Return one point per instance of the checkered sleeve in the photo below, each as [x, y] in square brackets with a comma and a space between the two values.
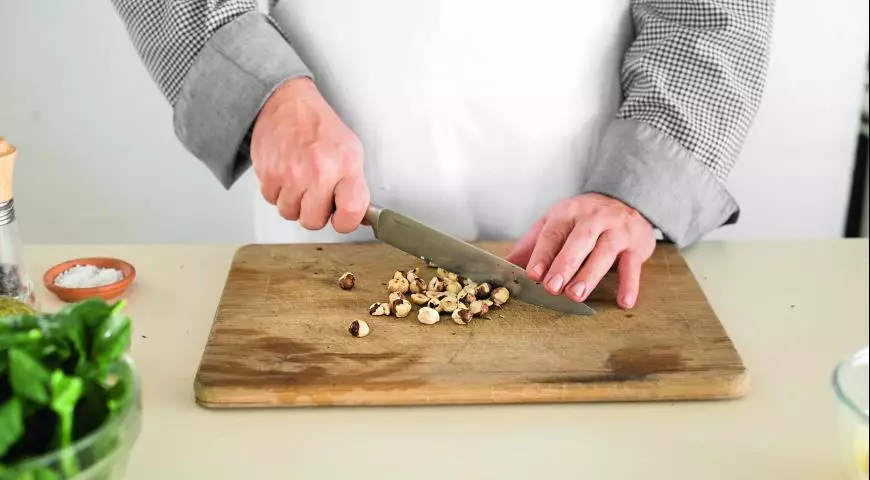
[692, 83]
[216, 62]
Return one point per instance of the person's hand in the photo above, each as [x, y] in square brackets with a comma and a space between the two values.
[572, 247]
[308, 160]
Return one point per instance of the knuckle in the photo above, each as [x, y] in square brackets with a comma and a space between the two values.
[551, 236]
[569, 261]
[609, 245]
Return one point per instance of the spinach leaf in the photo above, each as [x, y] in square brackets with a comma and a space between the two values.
[28, 377]
[62, 376]
[65, 393]
[111, 339]
[11, 424]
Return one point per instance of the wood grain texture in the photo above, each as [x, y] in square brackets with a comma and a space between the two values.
[280, 338]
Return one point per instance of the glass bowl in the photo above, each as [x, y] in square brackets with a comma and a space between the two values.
[850, 382]
[102, 455]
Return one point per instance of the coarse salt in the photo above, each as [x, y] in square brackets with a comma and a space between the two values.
[86, 276]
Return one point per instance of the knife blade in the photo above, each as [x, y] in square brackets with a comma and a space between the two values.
[462, 258]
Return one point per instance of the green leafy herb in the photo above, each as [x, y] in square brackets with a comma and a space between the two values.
[11, 424]
[62, 376]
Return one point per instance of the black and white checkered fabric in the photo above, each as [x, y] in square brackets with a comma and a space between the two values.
[695, 71]
[168, 34]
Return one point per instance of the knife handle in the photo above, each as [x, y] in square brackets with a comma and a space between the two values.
[372, 215]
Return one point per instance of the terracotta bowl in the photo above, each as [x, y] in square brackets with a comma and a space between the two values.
[106, 292]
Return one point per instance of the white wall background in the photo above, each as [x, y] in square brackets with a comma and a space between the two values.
[99, 162]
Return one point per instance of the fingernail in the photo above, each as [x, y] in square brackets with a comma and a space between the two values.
[578, 290]
[628, 300]
[556, 283]
[538, 270]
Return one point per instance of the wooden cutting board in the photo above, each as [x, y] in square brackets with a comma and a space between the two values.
[280, 338]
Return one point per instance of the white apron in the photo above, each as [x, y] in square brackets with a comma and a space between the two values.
[475, 115]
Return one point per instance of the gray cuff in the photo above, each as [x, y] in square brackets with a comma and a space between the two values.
[234, 74]
[662, 180]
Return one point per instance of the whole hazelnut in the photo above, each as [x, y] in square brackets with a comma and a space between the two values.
[419, 298]
[401, 307]
[500, 296]
[398, 275]
[378, 309]
[428, 316]
[358, 328]
[461, 316]
[411, 274]
[467, 299]
[398, 284]
[417, 285]
[453, 287]
[483, 290]
[346, 281]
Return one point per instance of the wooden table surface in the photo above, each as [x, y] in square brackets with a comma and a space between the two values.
[793, 309]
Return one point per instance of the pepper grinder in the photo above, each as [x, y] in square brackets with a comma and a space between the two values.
[14, 280]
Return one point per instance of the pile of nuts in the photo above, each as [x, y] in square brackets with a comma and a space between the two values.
[445, 293]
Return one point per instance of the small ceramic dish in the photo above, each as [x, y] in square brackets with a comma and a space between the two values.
[106, 292]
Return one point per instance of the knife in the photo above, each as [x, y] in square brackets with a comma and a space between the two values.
[462, 258]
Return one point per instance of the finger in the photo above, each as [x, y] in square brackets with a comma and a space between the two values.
[288, 203]
[316, 207]
[270, 191]
[553, 234]
[522, 250]
[351, 201]
[607, 248]
[630, 265]
[580, 242]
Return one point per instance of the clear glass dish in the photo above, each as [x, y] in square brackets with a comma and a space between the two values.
[850, 382]
[102, 455]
